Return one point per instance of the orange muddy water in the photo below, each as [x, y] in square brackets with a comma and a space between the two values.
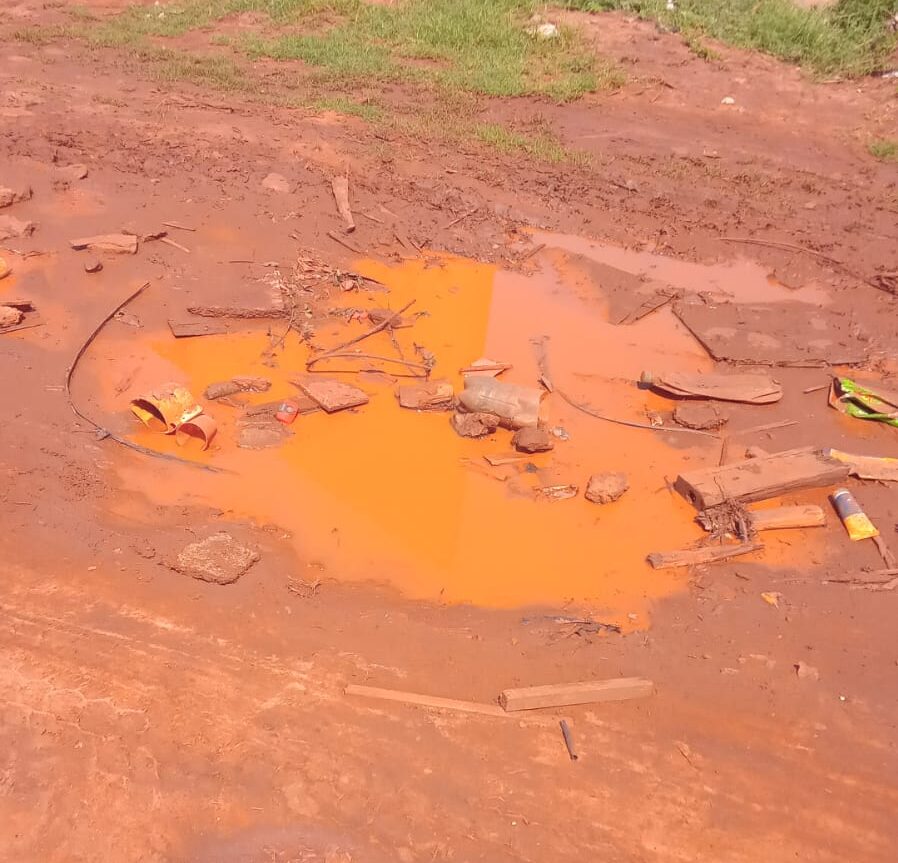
[395, 496]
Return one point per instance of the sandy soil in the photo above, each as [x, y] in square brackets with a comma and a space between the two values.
[150, 716]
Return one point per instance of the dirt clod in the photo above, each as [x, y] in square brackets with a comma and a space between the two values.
[70, 173]
[333, 395]
[94, 265]
[606, 487]
[9, 316]
[699, 415]
[429, 396]
[276, 183]
[219, 559]
[475, 424]
[261, 435]
[12, 196]
[532, 439]
[11, 227]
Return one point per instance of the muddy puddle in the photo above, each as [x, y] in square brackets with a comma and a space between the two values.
[395, 496]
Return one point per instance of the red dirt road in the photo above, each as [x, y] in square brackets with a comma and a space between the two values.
[149, 716]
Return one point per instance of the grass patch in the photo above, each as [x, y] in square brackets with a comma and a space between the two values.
[479, 46]
[218, 71]
[368, 111]
[41, 34]
[885, 149]
[543, 147]
[851, 37]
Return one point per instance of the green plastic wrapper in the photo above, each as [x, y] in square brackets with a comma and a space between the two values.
[863, 403]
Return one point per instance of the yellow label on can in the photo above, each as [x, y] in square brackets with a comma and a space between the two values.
[859, 526]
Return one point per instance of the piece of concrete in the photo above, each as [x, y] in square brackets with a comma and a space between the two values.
[606, 487]
[9, 316]
[219, 559]
[699, 415]
[532, 439]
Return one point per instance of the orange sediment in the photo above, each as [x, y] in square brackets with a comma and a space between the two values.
[395, 496]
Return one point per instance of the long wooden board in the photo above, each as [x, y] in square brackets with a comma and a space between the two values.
[430, 701]
[565, 694]
[868, 467]
[760, 478]
[781, 517]
[696, 556]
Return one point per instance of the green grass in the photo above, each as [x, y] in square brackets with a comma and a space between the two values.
[478, 46]
[885, 149]
[369, 111]
[852, 37]
[543, 147]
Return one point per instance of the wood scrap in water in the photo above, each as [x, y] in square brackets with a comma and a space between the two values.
[697, 556]
[760, 478]
[192, 329]
[244, 312]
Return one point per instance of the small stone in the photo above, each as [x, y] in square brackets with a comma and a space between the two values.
[94, 265]
[475, 424]
[9, 316]
[805, 671]
[219, 559]
[276, 183]
[261, 435]
[532, 439]
[727, 100]
[699, 415]
[70, 173]
[606, 487]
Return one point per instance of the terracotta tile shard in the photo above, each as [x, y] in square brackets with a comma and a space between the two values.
[332, 395]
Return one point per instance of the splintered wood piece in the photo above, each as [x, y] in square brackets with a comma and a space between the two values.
[868, 467]
[340, 185]
[696, 556]
[189, 329]
[782, 517]
[565, 694]
[430, 701]
[121, 243]
[760, 478]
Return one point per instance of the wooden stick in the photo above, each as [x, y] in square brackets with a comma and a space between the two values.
[461, 218]
[565, 694]
[766, 427]
[430, 701]
[373, 331]
[348, 355]
[568, 740]
[887, 557]
[486, 367]
[179, 226]
[776, 244]
[170, 242]
[695, 556]
[337, 239]
[816, 389]
[373, 218]
[534, 251]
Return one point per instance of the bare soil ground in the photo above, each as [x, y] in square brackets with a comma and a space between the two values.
[148, 716]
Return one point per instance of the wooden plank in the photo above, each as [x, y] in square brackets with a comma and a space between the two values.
[782, 517]
[430, 701]
[238, 312]
[189, 329]
[565, 694]
[760, 478]
[696, 556]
